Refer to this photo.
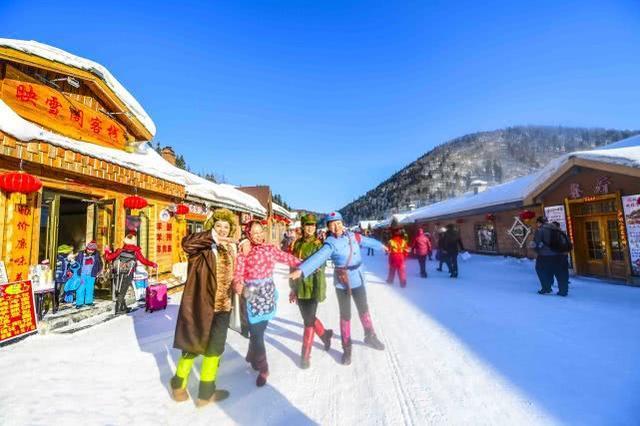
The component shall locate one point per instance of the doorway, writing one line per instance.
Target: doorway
(599, 247)
(75, 220)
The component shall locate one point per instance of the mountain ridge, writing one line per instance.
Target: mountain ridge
(495, 156)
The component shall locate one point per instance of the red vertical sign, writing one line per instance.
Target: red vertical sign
(17, 310)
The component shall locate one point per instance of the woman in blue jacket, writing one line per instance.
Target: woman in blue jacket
(343, 248)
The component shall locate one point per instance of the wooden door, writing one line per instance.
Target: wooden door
(595, 260)
(615, 251)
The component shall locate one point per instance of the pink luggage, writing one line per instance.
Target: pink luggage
(156, 297)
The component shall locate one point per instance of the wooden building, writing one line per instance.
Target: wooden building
(593, 195)
(67, 121)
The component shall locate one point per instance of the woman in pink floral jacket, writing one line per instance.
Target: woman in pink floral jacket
(254, 279)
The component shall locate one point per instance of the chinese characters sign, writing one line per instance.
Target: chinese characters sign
(37, 102)
(631, 206)
(164, 238)
(17, 310)
(19, 235)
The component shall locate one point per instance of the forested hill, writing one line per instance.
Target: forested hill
(496, 156)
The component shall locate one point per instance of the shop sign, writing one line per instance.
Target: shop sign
(196, 208)
(37, 102)
(17, 310)
(20, 237)
(556, 214)
(602, 185)
(575, 191)
(519, 231)
(631, 206)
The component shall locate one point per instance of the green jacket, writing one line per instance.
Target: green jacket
(315, 285)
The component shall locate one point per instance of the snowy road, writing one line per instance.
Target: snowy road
(485, 349)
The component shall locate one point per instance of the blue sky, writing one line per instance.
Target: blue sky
(323, 100)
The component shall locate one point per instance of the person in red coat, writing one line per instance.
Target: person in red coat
(422, 247)
(123, 262)
(398, 252)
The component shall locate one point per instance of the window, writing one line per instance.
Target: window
(486, 237)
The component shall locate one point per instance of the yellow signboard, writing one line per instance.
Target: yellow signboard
(37, 102)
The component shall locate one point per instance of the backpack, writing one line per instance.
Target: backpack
(559, 242)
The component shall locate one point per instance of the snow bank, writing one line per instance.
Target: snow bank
(58, 55)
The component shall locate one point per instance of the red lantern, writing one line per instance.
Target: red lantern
(527, 215)
(490, 217)
(135, 202)
(21, 182)
(182, 209)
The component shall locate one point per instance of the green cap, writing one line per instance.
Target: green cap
(308, 219)
(65, 249)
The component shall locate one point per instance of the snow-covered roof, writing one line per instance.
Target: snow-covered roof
(58, 55)
(365, 224)
(625, 153)
(400, 217)
(145, 160)
(283, 212)
(509, 192)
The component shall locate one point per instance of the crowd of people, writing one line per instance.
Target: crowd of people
(228, 273)
(76, 274)
(220, 266)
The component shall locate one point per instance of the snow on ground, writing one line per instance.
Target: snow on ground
(482, 349)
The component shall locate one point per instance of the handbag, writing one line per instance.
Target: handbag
(235, 324)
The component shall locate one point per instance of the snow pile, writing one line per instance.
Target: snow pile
(58, 55)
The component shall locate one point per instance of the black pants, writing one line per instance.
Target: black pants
(121, 291)
(422, 260)
(58, 293)
(359, 296)
(442, 257)
(548, 267)
(308, 309)
(256, 339)
(218, 333)
(369, 252)
(452, 263)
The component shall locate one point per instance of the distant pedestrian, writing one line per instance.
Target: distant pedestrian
(552, 246)
(440, 254)
(452, 245)
(422, 248)
(370, 251)
(398, 252)
(430, 238)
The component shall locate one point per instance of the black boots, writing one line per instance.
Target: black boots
(346, 353)
(207, 393)
(121, 308)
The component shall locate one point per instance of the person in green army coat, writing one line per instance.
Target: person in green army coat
(309, 291)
